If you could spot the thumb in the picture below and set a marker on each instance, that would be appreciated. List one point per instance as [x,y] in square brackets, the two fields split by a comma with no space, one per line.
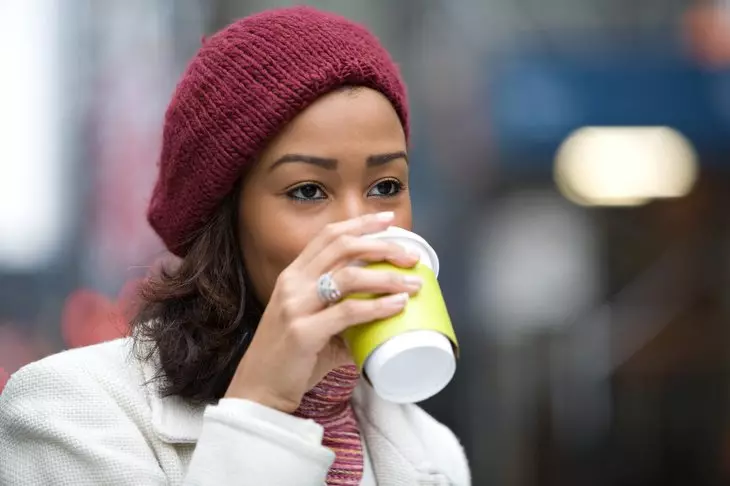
[340,355]
[334,355]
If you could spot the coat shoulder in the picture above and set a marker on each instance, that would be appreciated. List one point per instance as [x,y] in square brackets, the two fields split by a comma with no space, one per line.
[98,373]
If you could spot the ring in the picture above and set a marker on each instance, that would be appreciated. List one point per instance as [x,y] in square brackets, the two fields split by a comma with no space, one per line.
[327,290]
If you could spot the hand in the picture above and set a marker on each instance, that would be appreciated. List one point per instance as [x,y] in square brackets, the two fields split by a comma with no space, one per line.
[297,341]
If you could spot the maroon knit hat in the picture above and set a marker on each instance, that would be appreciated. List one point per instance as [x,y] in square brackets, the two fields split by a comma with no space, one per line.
[241,88]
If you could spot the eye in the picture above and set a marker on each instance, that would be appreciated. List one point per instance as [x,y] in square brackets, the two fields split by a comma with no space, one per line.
[386,188]
[307,193]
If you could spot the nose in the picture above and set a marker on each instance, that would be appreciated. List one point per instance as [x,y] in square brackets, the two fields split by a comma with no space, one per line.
[351,206]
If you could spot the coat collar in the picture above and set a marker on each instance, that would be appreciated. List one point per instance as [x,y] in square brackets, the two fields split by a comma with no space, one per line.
[174,419]
[393,444]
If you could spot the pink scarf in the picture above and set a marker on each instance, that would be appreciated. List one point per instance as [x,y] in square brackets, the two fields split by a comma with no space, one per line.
[328,404]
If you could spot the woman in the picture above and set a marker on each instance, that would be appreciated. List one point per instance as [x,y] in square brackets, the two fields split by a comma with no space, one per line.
[285,141]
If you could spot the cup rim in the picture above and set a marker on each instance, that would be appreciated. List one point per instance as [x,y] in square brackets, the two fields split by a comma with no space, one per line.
[396,232]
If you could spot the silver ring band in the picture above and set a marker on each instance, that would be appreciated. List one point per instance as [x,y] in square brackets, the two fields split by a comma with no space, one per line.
[327,290]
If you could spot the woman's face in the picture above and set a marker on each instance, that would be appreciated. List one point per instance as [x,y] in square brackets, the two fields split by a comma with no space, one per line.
[344,156]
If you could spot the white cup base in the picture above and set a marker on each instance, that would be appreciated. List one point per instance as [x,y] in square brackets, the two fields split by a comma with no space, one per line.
[412,366]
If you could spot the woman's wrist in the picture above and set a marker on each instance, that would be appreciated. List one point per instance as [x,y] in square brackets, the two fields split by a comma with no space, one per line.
[262,397]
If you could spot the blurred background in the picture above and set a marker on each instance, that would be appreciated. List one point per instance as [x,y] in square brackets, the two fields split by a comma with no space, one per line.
[571,168]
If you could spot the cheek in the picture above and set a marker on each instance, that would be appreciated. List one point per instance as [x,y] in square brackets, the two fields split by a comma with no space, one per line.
[269,245]
[272,243]
[286,241]
[403,215]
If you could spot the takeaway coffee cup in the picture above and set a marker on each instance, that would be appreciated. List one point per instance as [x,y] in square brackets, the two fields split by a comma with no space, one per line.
[411,356]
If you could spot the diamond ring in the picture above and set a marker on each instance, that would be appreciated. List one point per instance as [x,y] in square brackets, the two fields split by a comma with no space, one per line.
[327,290]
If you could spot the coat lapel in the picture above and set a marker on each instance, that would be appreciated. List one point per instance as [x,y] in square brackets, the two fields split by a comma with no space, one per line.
[396,451]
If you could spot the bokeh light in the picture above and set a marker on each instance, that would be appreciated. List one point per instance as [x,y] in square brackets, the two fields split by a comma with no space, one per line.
[625,166]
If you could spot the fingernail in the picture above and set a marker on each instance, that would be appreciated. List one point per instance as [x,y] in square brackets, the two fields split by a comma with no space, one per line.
[396,300]
[413,281]
[385,216]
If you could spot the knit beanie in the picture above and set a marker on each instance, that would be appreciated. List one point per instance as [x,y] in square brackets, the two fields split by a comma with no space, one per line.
[245,83]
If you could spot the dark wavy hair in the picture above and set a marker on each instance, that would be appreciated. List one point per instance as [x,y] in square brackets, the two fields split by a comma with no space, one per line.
[199,316]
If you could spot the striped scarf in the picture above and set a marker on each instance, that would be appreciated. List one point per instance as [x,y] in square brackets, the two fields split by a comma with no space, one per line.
[328,404]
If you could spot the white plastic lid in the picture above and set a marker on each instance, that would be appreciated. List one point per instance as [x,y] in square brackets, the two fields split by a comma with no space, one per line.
[411,367]
[412,242]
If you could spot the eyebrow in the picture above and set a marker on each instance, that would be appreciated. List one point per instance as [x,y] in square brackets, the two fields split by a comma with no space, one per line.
[331,164]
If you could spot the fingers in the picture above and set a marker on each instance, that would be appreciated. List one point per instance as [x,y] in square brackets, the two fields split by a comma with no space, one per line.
[357,279]
[300,297]
[351,312]
[369,223]
[346,248]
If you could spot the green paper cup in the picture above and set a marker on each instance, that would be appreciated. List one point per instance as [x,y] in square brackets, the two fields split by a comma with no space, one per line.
[411,356]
